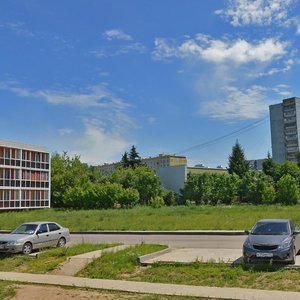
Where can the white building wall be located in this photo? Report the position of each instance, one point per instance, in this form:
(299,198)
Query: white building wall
(173,177)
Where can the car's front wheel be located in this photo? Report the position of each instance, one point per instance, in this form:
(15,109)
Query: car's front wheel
(61,242)
(27,248)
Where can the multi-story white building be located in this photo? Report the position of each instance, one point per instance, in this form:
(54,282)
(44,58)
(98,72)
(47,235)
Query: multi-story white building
(285,129)
(24,176)
(156,162)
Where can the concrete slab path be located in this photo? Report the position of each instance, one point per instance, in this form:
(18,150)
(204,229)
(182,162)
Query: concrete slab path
(188,255)
(151,288)
(76,263)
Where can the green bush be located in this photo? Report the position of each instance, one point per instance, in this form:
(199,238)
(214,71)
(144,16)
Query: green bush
(157,202)
(287,190)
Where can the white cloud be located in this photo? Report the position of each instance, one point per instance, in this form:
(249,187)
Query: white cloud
(116,34)
(105,123)
(295,21)
(65,131)
(257,12)
(287,65)
(97,145)
(18,28)
(234,103)
(97,96)
(218,51)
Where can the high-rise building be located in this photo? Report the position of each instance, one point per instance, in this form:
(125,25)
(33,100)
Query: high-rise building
(24,176)
(285,129)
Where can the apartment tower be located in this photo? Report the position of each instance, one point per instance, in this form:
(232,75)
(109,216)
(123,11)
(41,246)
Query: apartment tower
(285,126)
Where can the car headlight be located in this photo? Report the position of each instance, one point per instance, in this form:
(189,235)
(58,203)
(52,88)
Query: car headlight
(286,244)
(11,243)
(247,244)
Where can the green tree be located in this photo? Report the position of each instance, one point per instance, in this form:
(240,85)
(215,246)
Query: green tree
(287,190)
(125,160)
(289,168)
(142,179)
(270,168)
(237,161)
(254,187)
(134,158)
(66,172)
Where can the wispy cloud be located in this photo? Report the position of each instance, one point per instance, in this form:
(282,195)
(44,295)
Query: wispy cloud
(225,72)
(97,145)
(256,12)
(18,28)
(116,34)
(237,103)
(93,96)
(219,51)
(103,116)
(119,43)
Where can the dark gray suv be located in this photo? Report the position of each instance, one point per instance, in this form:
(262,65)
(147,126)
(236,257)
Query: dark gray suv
(272,239)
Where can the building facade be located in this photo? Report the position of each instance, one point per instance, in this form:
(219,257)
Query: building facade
(285,126)
(24,176)
(156,162)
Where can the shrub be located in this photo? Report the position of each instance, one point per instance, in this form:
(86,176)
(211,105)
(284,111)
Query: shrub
(287,190)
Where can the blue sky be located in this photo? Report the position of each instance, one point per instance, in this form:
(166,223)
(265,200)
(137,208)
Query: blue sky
(94,77)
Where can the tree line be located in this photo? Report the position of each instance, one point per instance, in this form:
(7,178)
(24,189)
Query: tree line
(76,185)
(274,184)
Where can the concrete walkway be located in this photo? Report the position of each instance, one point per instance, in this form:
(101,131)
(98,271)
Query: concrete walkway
(188,255)
(151,288)
(76,263)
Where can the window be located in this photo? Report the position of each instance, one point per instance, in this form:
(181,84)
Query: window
(53,227)
(43,228)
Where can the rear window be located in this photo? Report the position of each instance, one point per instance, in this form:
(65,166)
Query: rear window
(53,227)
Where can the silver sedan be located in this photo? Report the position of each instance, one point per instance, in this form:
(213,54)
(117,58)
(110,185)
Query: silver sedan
(34,235)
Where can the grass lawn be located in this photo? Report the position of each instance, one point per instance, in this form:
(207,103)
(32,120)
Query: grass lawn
(6,290)
(124,266)
(47,261)
(146,218)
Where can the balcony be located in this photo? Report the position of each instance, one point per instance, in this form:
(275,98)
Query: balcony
(289,120)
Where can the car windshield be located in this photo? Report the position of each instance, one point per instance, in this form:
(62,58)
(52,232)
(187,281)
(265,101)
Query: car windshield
(270,228)
(25,229)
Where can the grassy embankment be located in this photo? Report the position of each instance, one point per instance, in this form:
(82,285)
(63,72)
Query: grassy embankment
(123,265)
(147,218)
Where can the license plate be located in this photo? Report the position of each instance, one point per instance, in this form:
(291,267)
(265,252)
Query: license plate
(267,255)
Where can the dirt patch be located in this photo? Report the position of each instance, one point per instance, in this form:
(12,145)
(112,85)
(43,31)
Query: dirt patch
(34,292)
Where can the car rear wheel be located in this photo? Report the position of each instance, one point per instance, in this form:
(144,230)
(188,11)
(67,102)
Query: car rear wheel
(27,248)
(61,242)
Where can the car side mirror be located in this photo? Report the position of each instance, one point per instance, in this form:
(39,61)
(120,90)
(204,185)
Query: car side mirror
(38,232)
(296,231)
(247,232)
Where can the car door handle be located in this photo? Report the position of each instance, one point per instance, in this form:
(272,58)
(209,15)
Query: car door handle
(60,233)
(47,234)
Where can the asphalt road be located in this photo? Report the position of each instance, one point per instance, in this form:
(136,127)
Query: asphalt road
(175,241)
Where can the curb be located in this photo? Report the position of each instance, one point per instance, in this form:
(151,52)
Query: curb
(142,259)
(153,232)
(165,232)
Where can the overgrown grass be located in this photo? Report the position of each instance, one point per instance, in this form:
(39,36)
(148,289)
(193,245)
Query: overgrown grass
(146,218)
(47,261)
(6,290)
(124,266)
(111,265)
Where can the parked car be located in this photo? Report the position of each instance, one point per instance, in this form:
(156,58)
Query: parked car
(272,239)
(34,235)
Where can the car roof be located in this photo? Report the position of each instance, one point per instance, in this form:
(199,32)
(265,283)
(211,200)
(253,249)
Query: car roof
(39,222)
(274,220)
